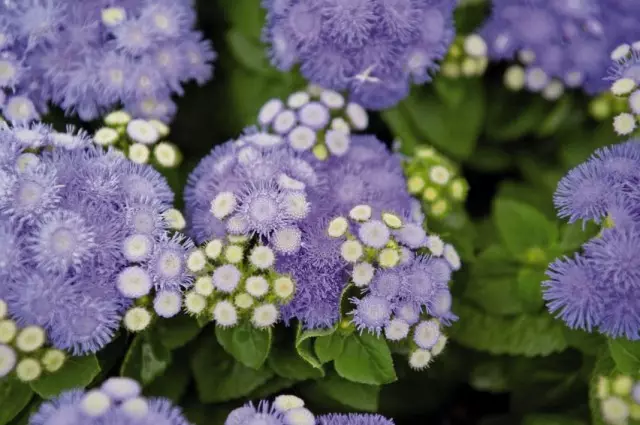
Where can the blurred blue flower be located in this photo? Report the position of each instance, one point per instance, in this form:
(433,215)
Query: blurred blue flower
(353,419)
(374,49)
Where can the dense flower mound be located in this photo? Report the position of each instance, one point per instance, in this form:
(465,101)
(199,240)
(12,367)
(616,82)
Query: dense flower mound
(316,120)
(619,399)
(373,49)
(117,401)
(560,43)
(291,410)
(600,287)
(437,181)
(142,141)
(625,78)
(87,57)
(83,233)
(236,282)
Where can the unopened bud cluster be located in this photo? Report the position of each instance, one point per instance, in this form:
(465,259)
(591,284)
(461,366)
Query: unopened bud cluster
(467,57)
(24,350)
(625,88)
(435,180)
(315,120)
(235,282)
(533,78)
(619,399)
(142,141)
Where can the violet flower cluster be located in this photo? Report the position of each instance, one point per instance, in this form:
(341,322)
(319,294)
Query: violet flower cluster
(559,43)
(83,233)
(88,57)
(625,77)
(291,410)
(599,288)
(117,401)
(373,49)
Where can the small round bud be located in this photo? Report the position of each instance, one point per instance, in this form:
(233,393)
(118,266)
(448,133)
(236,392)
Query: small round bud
(30,339)
(166,154)
(392,220)
(134,282)
(362,274)
(8,360)
(136,408)
(415,184)
(204,286)
(302,138)
(137,319)
(624,124)
(426,334)
(213,249)
(137,248)
(95,403)
(225,314)
(553,90)
(257,286)
(419,359)
(161,128)
(339,124)
(121,388)
(223,205)
(139,153)
(337,227)
(396,330)
(351,251)
(337,142)
(269,111)
(243,301)
(264,316)
(622,385)
(358,116)
(117,118)
(113,16)
(514,78)
(439,346)
(194,303)
(439,175)
(320,152)
(167,303)
(623,86)
(299,416)
(28,369)
(526,56)
(237,238)
(284,121)
(174,219)
(8,331)
(536,79)
(452,257)
(332,99)
(53,360)
(614,410)
(141,131)
(298,100)
(283,287)
(620,52)
(234,254)
(634,102)
(196,261)
(474,45)
(106,136)
(603,389)
(360,213)
(287,402)
(262,257)
(388,258)
(435,245)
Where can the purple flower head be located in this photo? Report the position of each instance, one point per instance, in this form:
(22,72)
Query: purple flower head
(423,277)
(354,419)
(265,413)
(66,213)
(387,283)
(89,58)
(371,313)
(116,402)
(373,49)
(560,40)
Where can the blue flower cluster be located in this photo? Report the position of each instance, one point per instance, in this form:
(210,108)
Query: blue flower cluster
(600,287)
(118,401)
(372,48)
(290,410)
(557,39)
(625,77)
(87,57)
(83,232)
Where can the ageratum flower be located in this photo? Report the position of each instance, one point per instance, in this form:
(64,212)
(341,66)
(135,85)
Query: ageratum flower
(353,419)
(374,49)
(117,401)
(285,410)
(560,43)
(89,57)
(599,288)
(619,398)
(625,77)
(83,234)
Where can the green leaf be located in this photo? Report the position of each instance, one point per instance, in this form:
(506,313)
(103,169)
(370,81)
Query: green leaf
(450,90)
(344,393)
(366,359)
(249,345)
(604,366)
(496,295)
(177,331)
(402,129)
(526,334)
(245,16)
(274,385)
(556,117)
(77,372)
(173,383)
(329,347)
(489,376)
(219,377)
(626,355)
(512,115)
(454,130)
(524,230)
(304,343)
(249,52)
(590,343)
(529,289)
(14,396)
(574,235)
(286,362)
(544,419)
(146,359)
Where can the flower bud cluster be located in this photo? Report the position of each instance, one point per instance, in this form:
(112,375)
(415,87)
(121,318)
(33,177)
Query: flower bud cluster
(467,57)
(619,399)
(625,87)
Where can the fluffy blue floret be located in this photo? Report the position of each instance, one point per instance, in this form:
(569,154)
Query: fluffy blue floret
(353,419)
(374,48)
